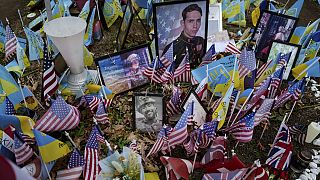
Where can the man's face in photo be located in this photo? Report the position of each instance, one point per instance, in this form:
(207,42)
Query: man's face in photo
(149,111)
(192,23)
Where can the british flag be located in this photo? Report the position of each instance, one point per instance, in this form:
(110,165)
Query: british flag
(275,82)
(280,154)
(231,175)
(155,71)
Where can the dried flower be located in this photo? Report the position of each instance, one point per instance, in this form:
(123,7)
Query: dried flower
(117,166)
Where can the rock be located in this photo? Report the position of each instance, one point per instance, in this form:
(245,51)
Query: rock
(315,171)
(313,165)
(313,176)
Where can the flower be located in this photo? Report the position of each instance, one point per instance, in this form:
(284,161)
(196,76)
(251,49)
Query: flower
(117,166)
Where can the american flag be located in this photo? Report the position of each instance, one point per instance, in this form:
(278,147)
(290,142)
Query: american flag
(231,175)
(23,152)
(262,68)
(280,154)
(9,107)
(232,49)
(297,134)
(107,103)
(205,62)
(167,58)
(202,89)
(101,115)
(183,72)
(49,77)
(275,82)
(11,43)
(283,60)
(91,156)
(155,70)
(209,129)
(176,168)
(209,54)
(243,130)
(247,63)
(263,113)
(173,106)
(61,116)
(162,141)
(257,173)
(262,90)
(293,92)
(234,99)
(91,101)
(189,144)
(202,141)
(180,133)
(216,151)
(168,75)
(75,167)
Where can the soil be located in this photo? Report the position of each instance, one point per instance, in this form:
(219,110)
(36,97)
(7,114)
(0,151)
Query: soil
(120,132)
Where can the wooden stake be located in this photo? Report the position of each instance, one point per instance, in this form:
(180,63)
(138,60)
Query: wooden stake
(20,18)
(242,107)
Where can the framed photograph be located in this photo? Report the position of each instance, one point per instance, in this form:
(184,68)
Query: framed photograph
(182,24)
(149,111)
(122,71)
(272,26)
(125,25)
(283,49)
(199,110)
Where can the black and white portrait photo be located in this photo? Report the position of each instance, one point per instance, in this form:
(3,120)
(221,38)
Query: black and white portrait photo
(148,112)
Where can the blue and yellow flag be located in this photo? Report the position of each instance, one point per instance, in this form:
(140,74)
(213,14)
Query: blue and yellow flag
(22,58)
(232,10)
(21,123)
(49,147)
(311,67)
(111,11)
(8,84)
(297,34)
(2,37)
(256,12)
(87,57)
(309,30)
(88,38)
(85,11)
(16,98)
(243,96)
(239,18)
(13,66)
(35,44)
(295,9)
(312,49)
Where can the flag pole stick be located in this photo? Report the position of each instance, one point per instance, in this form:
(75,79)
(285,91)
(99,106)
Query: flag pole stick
(153,69)
(64,74)
(195,156)
(105,140)
(233,108)
(24,99)
(100,81)
(70,139)
(306,69)
(242,107)
(20,18)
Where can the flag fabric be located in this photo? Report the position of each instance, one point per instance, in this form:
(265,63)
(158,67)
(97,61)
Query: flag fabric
(22,123)
(183,72)
(60,116)
(231,175)
(221,112)
(36,44)
(309,30)
(232,9)
(49,147)
(155,70)
(297,34)
(11,43)
(91,101)
(173,106)
(297,133)
(84,13)
(310,68)
(202,89)
(202,139)
(168,75)
(34,168)
(247,63)
(216,151)
(293,93)
(313,47)
(88,38)
(295,9)
(280,154)
(240,17)
(9,107)
(9,170)
(232,48)
(111,11)
(242,131)
(167,58)
(2,37)
(162,141)
(179,132)
(263,113)
(23,152)
(209,54)
(256,12)
(176,168)
(189,144)
(227,164)
(265,71)
(75,167)
(13,66)
(7,144)
(101,115)
(22,58)
(49,77)
(91,156)
(275,82)
(257,173)
(9,85)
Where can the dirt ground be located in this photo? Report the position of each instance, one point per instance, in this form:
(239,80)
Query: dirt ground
(121,132)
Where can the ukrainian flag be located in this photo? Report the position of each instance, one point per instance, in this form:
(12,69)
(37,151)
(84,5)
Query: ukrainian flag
(88,39)
(2,37)
(243,96)
(49,147)
(310,67)
(87,57)
(232,10)
(295,9)
(111,11)
(85,11)
(9,85)
(14,67)
(22,123)
(297,34)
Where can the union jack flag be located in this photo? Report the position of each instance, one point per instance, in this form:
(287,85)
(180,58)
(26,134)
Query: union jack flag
(263,113)
(155,70)
(11,43)
(216,150)
(231,175)
(243,130)
(293,92)
(75,167)
(173,106)
(180,133)
(162,141)
(280,154)
(275,82)
(183,72)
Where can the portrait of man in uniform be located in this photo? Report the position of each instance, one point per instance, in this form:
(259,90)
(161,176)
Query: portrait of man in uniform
(148,113)
(182,25)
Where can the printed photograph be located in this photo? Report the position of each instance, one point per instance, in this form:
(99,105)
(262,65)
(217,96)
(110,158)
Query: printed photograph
(272,26)
(125,26)
(287,51)
(148,112)
(182,25)
(122,71)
